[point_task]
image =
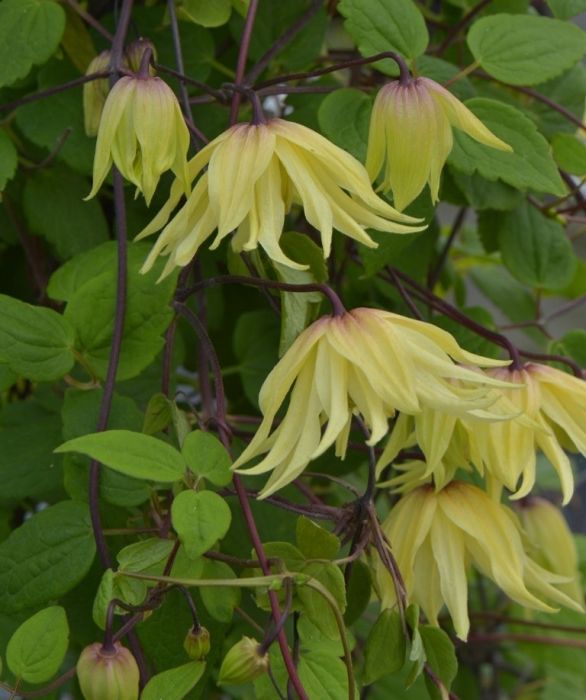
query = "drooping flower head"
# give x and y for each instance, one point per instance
(555, 404)
(411, 136)
(442, 438)
(255, 174)
(142, 131)
(366, 361)
(96, 91)
(434, 536)
(551, 542)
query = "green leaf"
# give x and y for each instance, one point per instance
(315, 542)
(46, 556)
(28, 468)
(351, 132)
(566, 9)
(440, 653)
(175, 683)
(158, 414)
(573, 345)
(114, 585)
(206, 13)
(530, 166)
(30, 32)
(315, 606)
(145, 554)
(219, 602)
(35, 342)
(385, 25)
(323, 675)
(504, 291)
(256, 338)
(298, 310)
(483, 194)
(37, 649)
(570, 153)
(207, 457)
(80, 414)
(44, 122)
(200, 519)
(272, 20)
(147, 314)
(524, 49)
(442, 72)
(8, 159)
(568, 91)
(54, 208)
(385, 647)
(134, 454)
(535, 249)
(358, 591)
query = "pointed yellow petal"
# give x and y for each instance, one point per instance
(462, 118)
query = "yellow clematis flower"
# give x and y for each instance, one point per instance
(411, 136)
(442, 437)
(434, 536)
(366, 361)
(551, 542)
(555, 404)
(255, 174)
(142, 131)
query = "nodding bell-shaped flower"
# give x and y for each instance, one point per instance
(95, 93)
(244, 662)
(107, 674)
(551, 543)
(142, 131)
(555, 404)
(411, 136)
(434, 536)
(255, 173)
(368, 362)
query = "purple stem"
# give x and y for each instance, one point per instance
(243, 57)
(208, 347)
(187, 114)
(56, 89)
(106, 403)
(337, 306)
(436, 271)
(404, 73)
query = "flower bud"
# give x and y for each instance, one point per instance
(243, 663)
(95, 93)
(135, 52)
(107, 675)
(197, 643)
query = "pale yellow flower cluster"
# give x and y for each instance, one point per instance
(474, 421)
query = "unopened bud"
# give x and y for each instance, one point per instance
(107, 674)
(95, 93)
(135, 52)
(243, 663)
(197, 643)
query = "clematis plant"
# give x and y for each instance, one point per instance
(292, 405)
